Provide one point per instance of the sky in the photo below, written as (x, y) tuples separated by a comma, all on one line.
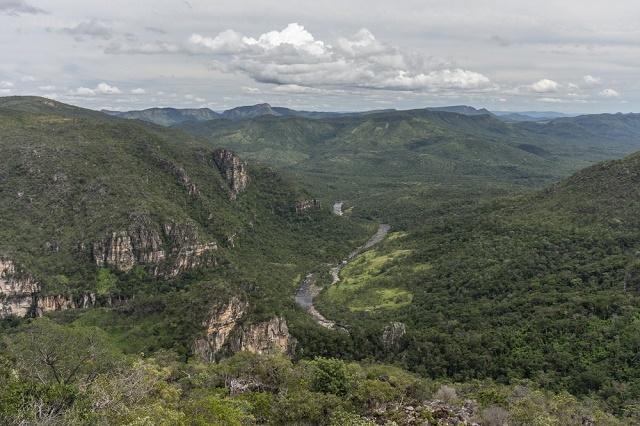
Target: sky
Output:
[(575, 56)]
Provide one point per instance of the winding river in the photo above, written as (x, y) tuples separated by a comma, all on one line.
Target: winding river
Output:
[(308, 289)]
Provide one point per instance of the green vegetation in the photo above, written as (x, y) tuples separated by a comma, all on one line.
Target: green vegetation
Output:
[(525, 300), (365, 284), (54, 374)]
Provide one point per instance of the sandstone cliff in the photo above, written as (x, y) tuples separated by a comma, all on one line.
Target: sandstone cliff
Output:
[(233, 170), (302, 206), (20, 295), (17, 290), (224, 334), (219, 326), (177, 250)]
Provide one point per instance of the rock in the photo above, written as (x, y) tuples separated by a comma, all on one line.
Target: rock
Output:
[(116, 251), (142, 245), (17, 290), (181, 175), (219, 325), (20, 295), (186, 251), (265, 337), (225, 335), (392, 336), (303, 206), (233, 170)]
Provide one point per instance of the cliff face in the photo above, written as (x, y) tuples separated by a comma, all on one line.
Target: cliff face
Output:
[(20, 295), (181, 176), (233, 170), (265, 337), (304, 205), (392, 335), (143, 245), (219, 326), (225, 334), (17, 290)]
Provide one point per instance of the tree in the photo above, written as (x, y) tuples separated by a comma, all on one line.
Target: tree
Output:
[(51, 353)]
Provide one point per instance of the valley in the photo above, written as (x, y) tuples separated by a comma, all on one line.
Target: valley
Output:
[(465, 253)]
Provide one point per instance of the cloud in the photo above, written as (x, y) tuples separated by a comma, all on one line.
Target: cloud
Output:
[(47, 88), (591, 80), (294, 57), (6, 84), (144, 48), (250, 90), (100, 89), (18, 7), (138, 91), (545, 86), (609, 93), (92, 28)]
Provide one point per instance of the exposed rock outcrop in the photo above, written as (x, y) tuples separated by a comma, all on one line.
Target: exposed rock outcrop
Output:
[(17, 290), (233, 170), (264, 337), (181, 176), (392, 335), (143, 245), (303, 206), (20, 295), (219, 326), (225, 335), (186, 251)]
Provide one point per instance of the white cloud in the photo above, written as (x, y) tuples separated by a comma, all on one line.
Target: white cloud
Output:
[(18, 7), (92, 28), (293, 57), (47, 88), (609, 93), (27, 78), (251, 90), (545, 86), (551, 100), (144, 48), (5, 91), (106, 89), (591, 80), (6, 84), (138, 91), (84, 91), (100, 89)]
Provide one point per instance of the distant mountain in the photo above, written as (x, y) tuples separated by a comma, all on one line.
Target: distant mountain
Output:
[(167, 116), (460, 109), (174, 116), (519, 116)]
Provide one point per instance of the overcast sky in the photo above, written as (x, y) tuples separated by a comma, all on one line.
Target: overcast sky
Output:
[(569, 55)]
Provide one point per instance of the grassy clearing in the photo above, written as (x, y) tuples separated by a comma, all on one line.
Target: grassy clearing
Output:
[(366, 283)]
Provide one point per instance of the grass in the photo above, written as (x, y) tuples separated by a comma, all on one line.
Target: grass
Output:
[(364, 284)]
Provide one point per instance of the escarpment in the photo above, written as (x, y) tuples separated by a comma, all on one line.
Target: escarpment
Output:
[(233, 170), (226, 335), (20, 295), (174, 250), (17, 290), (302, 206)]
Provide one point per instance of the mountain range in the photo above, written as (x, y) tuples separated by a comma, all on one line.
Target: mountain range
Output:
[(163, 255)]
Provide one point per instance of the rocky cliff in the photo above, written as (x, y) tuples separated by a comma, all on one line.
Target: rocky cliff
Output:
[(303, 206), (181, 176), (264, 337), (20, 295), (219, 325), (392, 336), (174, 251), (224, 334), (233, 170), (17, 290)]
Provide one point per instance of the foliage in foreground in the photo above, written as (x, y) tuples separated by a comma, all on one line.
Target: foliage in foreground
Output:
[(81, 379)]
